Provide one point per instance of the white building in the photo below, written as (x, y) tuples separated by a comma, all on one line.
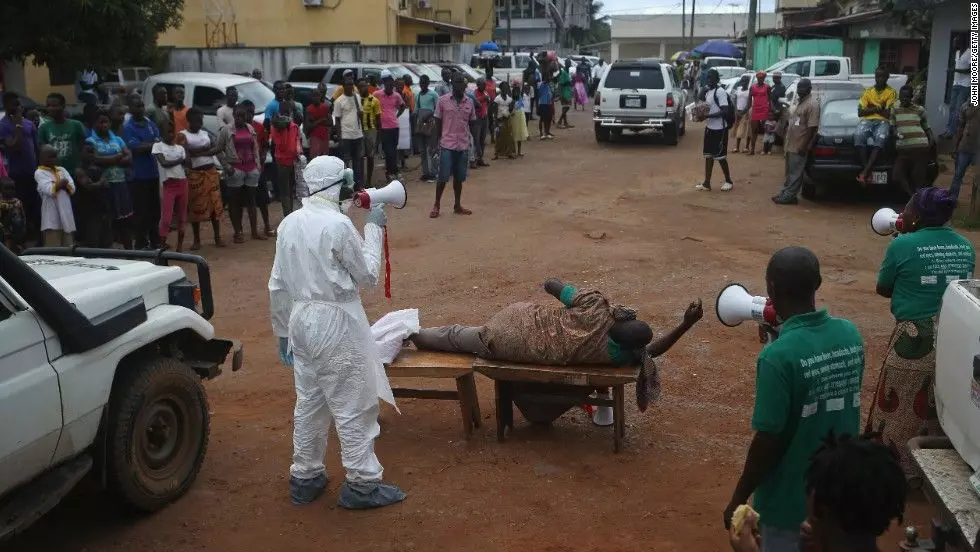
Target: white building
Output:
[(538, 23), (660, 35)]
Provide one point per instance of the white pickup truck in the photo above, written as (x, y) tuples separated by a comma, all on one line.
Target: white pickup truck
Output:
[(949, 464), (831, 68), (102, 357)]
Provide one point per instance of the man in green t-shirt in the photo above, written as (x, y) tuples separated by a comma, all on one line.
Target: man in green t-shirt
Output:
[(808, 385), (64, 134)]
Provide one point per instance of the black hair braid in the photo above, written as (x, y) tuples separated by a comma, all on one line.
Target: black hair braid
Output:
[(859, 482)]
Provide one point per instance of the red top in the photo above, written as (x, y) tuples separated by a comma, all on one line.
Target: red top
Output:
[(483, 100), (287, 144), (260, 136), (760, 101), (319, 112)]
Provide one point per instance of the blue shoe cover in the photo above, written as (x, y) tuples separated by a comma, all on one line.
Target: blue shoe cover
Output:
[(366, 495), (304, 491)]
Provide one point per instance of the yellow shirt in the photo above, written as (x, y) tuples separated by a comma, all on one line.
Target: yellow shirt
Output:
[(371, 108), (872, 98)]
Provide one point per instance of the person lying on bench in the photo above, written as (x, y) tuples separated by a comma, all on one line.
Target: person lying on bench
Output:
[(585, 329)]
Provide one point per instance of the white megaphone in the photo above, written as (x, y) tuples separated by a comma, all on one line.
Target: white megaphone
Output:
[(393, 194), (735, 305), (886, 222)]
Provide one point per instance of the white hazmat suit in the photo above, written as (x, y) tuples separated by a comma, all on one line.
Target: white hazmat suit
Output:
[(320, 263)]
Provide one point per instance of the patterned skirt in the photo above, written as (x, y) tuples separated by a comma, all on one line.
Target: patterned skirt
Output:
[(204, 195), (905, 401)]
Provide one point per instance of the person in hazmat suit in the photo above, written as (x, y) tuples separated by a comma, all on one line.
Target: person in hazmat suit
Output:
[(323, 332)]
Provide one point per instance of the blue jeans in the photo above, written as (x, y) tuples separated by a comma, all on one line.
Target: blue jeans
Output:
[(957, 97), (779, 540), (963, 160), (453, 163), (874, 129)]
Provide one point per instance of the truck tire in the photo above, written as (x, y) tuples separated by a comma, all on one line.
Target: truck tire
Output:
[(601, 134), (157, 433), (670, 135)]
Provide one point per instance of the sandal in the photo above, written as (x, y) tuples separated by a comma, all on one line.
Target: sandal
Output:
[(434, 213), (270, 233), (218, 242), (257, 236), (238, 238), (462, 211)]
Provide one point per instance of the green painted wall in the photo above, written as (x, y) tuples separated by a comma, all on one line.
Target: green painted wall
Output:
[(872, 53), (770, 49)]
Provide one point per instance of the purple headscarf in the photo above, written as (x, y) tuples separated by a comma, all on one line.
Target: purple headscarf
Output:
[(934, 205)]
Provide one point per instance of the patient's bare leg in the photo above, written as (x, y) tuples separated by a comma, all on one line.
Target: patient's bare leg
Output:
[(452, 339)]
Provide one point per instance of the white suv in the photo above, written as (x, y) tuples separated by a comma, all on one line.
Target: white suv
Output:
[(639, 95)]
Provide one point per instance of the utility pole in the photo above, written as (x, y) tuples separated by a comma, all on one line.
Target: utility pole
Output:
[(683, 25), (692, 23), (750, 34), (509, 47)]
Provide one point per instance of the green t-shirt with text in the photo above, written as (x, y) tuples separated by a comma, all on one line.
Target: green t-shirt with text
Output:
[(808, 384), (918, 266), (67, 138)]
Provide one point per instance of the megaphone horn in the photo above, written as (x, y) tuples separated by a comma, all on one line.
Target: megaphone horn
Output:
[(393, 194), (886, 222), (735, 305)]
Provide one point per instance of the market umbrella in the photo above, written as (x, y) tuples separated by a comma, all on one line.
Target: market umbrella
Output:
[(721, 48), (488, 49), (679, 56)]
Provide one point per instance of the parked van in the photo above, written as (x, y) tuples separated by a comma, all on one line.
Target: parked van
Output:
[(206, 91)]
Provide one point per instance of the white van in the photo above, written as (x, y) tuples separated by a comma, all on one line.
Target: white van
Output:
[(206, 91)]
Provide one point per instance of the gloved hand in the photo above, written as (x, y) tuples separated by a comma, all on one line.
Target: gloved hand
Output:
[(377, 216), (285, 355)]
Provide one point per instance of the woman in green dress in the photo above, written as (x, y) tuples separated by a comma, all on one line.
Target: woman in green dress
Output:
[(918, 266)]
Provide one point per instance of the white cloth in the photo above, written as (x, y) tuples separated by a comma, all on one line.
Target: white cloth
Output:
[(405, 130), (962, 62), (170, 153), (90, 78), (199, 139), (741, 99), (525, 103), (226, 116), (503, 106), (347, 110), (597, 71), (389, 332), (56, 213), (717, 100), (320, 263)]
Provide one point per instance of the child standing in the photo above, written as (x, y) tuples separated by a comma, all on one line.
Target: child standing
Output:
[(55, 186), (286, 148), (769, 139), (93, 201), (13, 219), (519, 117), (170, 160)]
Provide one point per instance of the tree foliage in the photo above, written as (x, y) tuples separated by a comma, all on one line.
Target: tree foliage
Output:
[(83, 33), (918, 21), (598, 31)]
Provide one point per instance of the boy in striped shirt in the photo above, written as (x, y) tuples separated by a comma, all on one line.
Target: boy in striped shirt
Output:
[(913, 142)]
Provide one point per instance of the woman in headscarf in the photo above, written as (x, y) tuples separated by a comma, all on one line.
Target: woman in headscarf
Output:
[(917, 267), (505, 134)]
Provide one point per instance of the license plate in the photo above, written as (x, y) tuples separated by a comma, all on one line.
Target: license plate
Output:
[(879, 177), (632, 102)]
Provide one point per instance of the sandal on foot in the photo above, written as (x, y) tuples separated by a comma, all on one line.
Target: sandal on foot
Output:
[(218, 242), (462, 211), (434, 213), (238, 238), (257, 236)]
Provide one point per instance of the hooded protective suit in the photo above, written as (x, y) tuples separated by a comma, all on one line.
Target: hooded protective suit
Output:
[(320, 262)]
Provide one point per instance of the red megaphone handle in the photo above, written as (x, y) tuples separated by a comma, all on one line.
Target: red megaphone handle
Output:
[(387, 265), (769, 313)]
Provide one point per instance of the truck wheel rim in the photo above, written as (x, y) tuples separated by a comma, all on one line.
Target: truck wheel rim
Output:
[(161, 438)]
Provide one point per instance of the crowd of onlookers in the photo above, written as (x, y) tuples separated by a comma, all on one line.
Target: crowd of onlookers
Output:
[(139, 170)]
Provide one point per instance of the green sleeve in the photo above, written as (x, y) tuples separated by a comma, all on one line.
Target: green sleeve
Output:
[(772, 397), (567, 295), (889, 266), (42, 133)]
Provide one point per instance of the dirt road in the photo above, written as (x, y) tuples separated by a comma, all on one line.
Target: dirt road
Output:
[(551, 490)]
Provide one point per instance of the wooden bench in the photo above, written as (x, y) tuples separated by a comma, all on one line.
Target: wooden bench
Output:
[(506, 374), (411, 363)]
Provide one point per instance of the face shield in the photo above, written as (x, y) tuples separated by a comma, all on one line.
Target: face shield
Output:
[(328, 180)]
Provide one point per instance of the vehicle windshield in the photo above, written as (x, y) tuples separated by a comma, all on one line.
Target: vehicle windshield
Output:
[(399, 71), (721, 62), (470, 73), (434, 72), (635, 78), (255, 92), (840, 113)]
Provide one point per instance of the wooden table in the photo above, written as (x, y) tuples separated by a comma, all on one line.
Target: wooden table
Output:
[(411, 363), (505, 374)]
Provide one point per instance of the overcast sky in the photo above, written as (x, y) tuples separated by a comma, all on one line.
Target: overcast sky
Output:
[(615, 7)]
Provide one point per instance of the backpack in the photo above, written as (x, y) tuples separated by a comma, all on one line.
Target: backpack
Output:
[(728, 113)]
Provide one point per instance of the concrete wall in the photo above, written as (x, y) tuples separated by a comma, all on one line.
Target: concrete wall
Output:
[(276, 62), (719, 25), (33, 81), (946, 19)]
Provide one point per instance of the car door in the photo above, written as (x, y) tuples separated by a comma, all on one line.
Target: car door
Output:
[(30, 397), (801, 68), (208, 99)]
